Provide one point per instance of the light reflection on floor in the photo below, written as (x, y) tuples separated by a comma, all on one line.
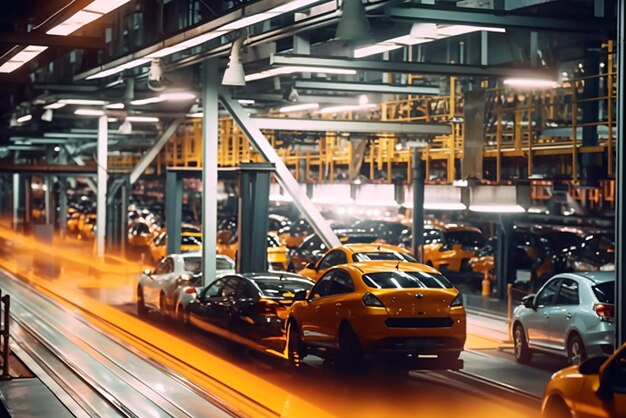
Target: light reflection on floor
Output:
[(316, 390)]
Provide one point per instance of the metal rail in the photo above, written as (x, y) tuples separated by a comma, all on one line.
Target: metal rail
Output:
[(102, 375)]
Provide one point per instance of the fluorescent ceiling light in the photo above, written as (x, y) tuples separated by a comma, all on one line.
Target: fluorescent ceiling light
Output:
[(55, 105), (444, 206), (177, 97), (88, 14), (247, 21), (24, 118), (21, 58), (142, 119), (299, 107), (408, 40), (119, 68), (195, 115), (531, 83), (190, 43), (115, 106), (347, 108), (455, 30), (82, 102), (424, 30), (497, 208), (89, 112), (297, 69), (291, 6), (375, 49), (149, 100), (246, 101)]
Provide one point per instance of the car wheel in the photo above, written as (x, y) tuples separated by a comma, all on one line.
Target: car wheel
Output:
[(141, 305), (576, 352), (181, 316), (556, 408), (350, 352), (523, 354), (294, 346)]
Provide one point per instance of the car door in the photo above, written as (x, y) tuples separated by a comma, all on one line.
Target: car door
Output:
[(536, 322), (334, 309), (205, 312), (562, 314), (242, 312), (333, 258), (152, 287), (309, 319)]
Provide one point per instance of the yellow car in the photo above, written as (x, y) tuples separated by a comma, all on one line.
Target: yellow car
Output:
[(141, 233), (190, 241), (72, 223), (293, 235), (594, 389), (448, 248), (86, 226), (354, 253), (277, 254), (407, 310)]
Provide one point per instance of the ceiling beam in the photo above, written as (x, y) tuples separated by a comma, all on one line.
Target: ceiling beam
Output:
[(323, 125), (59, 170), (42, 39), (350, 86), (482, 17), (460, 70)]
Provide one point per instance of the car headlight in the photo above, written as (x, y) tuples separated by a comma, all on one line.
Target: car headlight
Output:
[(457, 301), (582, 266)]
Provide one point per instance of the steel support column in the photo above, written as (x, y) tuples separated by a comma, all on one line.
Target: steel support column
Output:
[(210, 124), (283, 175), (173, 210), (418, 205), (505, 273), (590, 167), (103, 145), (254, 190), (620, 212), (62, 207)]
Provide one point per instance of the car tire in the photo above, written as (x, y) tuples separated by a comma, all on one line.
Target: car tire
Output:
[(523, 353), (141, 305), (350, 351), (557, 408), (576, 352), (295, 351)]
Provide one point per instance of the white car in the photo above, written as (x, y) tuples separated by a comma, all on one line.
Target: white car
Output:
[(155, 289), (187, 293), (572, 315)]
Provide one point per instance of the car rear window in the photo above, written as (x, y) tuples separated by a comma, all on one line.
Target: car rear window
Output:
[(193, 264), (406, 280), (277, 288), (387, 255), (605, 292), (358, 239), (465, 238)]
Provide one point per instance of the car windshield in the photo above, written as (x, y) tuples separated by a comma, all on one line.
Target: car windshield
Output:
[(605, 292), (383, 255), (224, 264), (465, 238), (190, 240), (406, 280), (193, 264), (282, 288)]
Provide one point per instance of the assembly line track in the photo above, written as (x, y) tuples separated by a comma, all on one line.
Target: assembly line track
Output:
[(94, 374)]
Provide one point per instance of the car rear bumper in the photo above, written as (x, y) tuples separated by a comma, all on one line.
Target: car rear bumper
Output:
[(601, 340)]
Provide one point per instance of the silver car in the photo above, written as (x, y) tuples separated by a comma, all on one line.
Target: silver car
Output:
[(572, 315), (187, 292)]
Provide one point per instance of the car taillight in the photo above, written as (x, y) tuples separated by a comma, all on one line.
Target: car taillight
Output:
[(268, 307), (604, 311), (457, 301), (190, 290), (372, 301)]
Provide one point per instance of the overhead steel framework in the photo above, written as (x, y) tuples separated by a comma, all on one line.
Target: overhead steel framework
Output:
[(323, 125), (460, 70), (496, 18), (359, 87)]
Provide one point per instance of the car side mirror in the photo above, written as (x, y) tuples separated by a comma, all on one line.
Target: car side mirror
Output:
[(529, 301), (147, 272), (591, 365), (299, 295)]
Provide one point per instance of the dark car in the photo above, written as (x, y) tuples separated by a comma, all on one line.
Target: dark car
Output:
[(389, 231), (596, 252), (248, 308), (312, 248)]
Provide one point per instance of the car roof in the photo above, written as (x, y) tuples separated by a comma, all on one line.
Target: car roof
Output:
[(272, 275), (597, 276), (371, 248), (383, 266)]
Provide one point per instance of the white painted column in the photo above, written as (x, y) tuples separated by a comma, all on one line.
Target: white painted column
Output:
[(101, 208)]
